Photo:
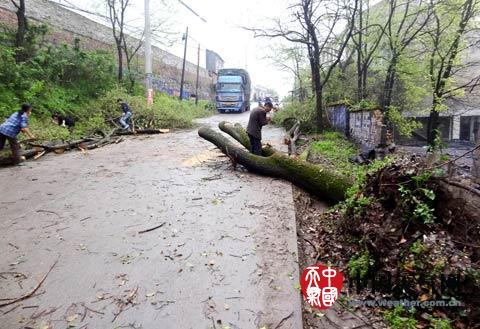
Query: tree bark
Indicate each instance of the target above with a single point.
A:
(476, 159)
(319, 181)
(22, 27)
(120, 61)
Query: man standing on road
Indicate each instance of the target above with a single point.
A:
(127, 114)
(258, 119)
(16, 123)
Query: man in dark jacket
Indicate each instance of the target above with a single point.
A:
(127, 114)
(258, 119)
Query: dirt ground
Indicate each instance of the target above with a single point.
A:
(225, 257)
(341, 315)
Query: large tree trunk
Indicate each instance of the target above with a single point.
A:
(476, 159)
(120, 61)
(237, 132)
(22, 26)
(316, 180)
(432, 127)
(318, 92)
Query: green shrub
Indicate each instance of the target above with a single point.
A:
(166, 112)
(304, 112)
(70, 81)
(359, 265)
(398, 318)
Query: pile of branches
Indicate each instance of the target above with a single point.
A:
(98, 139)
(409, 222)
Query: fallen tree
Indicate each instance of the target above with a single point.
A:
(237, 132)
(319, 181)
(98, 139)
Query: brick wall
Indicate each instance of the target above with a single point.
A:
(67, 26)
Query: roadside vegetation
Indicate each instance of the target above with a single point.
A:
(401, 216)
(397, 220)
(71, 81)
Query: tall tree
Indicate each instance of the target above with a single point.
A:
(291, 59)
(316, 26)
(407, 20)
(453, 23)
(117, 10)
(22, 28)
(366, 39)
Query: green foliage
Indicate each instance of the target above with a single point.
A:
(399, 318)
(417, 248)
(304, 112)
(438, 144)
(47, 130)
(404, 125)
(333, 148)
(166, 112)
(55, 79)
(440, 323)
(70, 81)
(359, 265)
(418, 199)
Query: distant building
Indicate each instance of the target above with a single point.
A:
(260, 93)
(214, 62)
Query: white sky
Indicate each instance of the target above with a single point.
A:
(221, 33)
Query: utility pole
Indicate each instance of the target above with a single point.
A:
(184, 62)
(198, 73)
(148, 54)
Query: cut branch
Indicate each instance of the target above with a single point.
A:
(30, 294)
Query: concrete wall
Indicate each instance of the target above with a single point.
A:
(363, 126)
(67, 26)
(366, 127)
(339, 117)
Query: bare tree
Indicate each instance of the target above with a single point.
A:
(316, 25)
(117, 10)
(406, 21)
(20, 37)
(162, 33)
(290, 59)
(366, 40)
(131, 49)
(450, 27)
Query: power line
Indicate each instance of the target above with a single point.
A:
(193, 11)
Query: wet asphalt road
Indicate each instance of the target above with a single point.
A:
(225, 257)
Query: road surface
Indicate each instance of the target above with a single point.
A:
(225, 257)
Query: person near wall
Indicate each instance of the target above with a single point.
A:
(127, 114)
(258, 119)
(9, 130)
(64, 121)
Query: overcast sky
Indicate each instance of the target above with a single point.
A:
(222, 33)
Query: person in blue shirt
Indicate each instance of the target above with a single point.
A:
(9, 130)
(127, 114)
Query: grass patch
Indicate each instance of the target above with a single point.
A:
(337, 150)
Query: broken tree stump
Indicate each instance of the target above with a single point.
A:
(319, 181)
